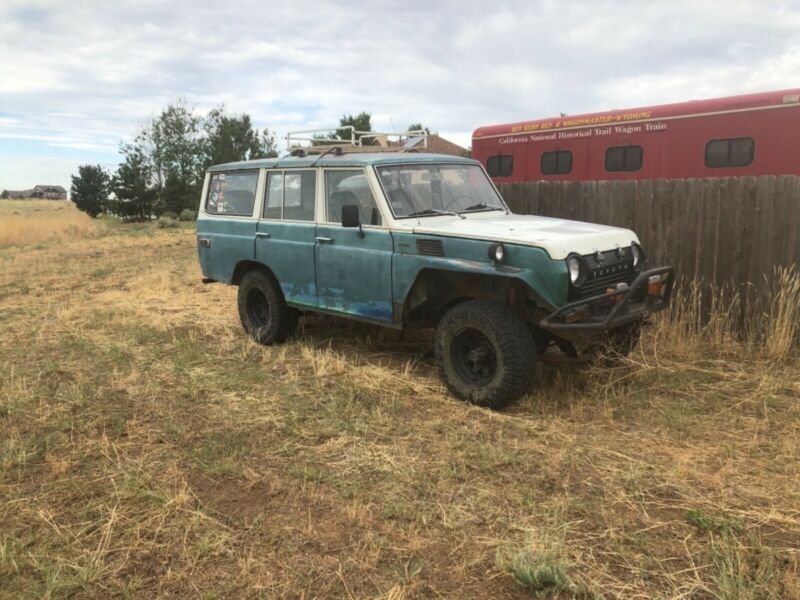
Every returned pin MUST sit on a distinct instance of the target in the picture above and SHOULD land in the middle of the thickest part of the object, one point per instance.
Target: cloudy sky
(77, 77)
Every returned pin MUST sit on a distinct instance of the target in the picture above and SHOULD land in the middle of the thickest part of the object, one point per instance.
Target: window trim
(625, 148)
(376, 197)
(500, 157)
(444, 162)
(283, 195)
(730, 141)
(557, 152)
(207, 190)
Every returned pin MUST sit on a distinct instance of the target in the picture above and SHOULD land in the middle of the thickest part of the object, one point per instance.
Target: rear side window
(232, 193)
(557, 162)
(624, 158)
(732, 152)
(500, 165)
(290, 195)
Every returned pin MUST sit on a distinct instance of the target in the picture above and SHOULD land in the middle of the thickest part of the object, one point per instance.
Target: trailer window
(557, 162)
(500, 165)
(732, 152)
(624, 158)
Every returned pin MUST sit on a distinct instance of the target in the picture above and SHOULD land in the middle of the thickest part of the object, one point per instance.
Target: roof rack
(320, 140)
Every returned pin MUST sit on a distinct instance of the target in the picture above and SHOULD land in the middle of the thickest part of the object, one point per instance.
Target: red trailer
(755, 134)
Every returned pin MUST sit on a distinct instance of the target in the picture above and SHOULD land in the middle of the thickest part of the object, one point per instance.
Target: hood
(558, 237)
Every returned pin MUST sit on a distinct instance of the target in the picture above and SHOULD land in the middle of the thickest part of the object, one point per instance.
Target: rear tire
(485, 353)
(265, 316)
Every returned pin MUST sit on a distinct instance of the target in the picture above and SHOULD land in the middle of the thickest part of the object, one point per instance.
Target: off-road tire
(265, 316)
(511, 341)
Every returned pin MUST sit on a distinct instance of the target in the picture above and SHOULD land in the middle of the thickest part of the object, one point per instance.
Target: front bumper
(585, 319)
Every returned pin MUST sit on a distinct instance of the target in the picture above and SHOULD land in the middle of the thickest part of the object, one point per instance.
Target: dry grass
(148, 449)
(35, 221)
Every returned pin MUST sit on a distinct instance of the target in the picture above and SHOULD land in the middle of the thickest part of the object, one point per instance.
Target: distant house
(46, 192)
(440, 145)
(432, 142)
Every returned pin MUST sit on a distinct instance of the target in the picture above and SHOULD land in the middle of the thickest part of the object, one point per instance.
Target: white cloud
(106, 67)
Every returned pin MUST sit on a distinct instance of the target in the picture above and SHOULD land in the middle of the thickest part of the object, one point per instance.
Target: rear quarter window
(232, 193)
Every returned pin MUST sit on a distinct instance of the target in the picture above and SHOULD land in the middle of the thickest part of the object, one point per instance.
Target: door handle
(324, 240)
(204, 242)
(263, 234)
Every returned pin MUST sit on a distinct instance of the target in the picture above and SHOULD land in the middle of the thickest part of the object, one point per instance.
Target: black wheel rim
(473, 357)
(257, 308)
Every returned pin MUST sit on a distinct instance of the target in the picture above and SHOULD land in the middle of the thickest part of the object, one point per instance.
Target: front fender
(546, 279)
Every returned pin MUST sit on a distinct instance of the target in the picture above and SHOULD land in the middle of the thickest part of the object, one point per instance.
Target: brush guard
(582, 320)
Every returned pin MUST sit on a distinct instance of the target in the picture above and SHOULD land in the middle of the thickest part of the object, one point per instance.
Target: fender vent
(430, 247)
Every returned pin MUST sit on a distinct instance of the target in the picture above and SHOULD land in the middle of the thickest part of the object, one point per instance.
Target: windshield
(422, 190)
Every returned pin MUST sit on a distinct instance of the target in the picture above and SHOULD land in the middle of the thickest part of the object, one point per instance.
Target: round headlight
(497, 252)
(574, 266)
(638, 255)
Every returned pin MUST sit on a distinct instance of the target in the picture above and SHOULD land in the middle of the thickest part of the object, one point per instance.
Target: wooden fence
(734, 230)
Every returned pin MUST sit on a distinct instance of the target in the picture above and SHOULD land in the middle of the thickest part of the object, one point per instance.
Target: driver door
(353, 265)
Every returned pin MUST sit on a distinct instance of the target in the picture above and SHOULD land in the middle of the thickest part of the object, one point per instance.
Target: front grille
(430, 247)
(605, 270)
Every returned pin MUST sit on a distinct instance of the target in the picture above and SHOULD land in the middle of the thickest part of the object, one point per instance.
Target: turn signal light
(655, 285)
(617, 290)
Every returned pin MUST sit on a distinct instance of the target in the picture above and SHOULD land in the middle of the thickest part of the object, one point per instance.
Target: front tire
(485, 353)
(265, 316)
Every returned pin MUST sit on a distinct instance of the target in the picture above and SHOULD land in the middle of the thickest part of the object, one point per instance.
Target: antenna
(337, 151)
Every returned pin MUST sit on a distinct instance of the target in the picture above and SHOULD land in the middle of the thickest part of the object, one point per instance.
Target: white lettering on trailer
(583, 133)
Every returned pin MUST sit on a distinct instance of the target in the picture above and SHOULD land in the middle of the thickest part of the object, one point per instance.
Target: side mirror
(350, 216)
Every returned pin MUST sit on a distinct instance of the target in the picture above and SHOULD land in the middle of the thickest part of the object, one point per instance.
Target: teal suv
(422, 240)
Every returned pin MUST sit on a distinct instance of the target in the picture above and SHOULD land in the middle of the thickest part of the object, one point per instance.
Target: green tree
(362, 122)
(172, 144)
(418, 127)
(170, 153)
(90, 188)
(132, 184)
(232, 138)
(177, 140)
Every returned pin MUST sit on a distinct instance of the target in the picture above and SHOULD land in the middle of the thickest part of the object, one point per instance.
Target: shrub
(538, 568)
(187, 214)
(165, 222)
(170, 215)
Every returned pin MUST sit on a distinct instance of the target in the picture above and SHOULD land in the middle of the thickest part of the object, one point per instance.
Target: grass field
(148, 449)
(32, 221)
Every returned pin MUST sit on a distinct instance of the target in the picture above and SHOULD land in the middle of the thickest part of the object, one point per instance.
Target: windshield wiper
(482, 205)
(434, 211)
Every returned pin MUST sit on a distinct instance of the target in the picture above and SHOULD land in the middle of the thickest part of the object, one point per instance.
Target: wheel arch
(245, 266)
(434, 291)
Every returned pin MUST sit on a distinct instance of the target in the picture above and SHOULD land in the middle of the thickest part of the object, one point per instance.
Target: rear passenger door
(286, 231)
(226, 225)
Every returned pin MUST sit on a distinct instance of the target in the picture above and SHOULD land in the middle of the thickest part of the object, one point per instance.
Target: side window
(274, 199)
(624, 158)
(350, 187)
(290, 195)
(500, 165)
(298, 198)
(733, 152)
(232, 193)
(556, 162)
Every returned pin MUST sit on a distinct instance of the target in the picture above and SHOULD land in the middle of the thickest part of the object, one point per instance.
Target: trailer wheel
(485, 353)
